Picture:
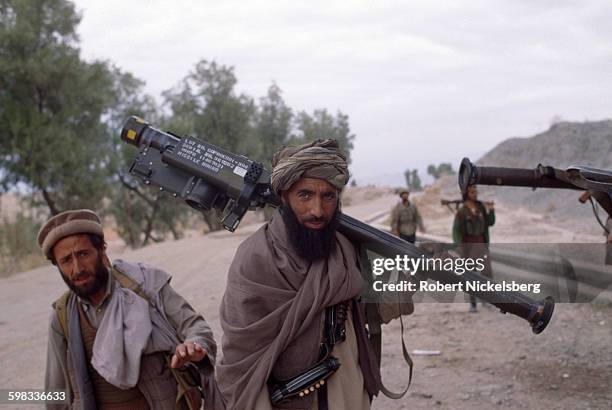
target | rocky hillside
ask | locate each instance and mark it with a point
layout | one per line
(564, 144)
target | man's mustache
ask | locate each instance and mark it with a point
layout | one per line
(82, 275)
(315, 219)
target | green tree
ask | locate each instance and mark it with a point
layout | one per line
(413, 181)
(444, 168)
(205, 104)
(416, 180)
(60, 117)
(53, 139)
(273, 124)
(142, 215)
(322, 125)
(272, 129)
(433, 171)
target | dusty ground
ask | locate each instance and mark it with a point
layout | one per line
(487, 360)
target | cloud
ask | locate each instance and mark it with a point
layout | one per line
(422, 81)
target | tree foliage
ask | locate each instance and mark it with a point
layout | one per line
(142, 215)
(206, 105)
(444, 168)
(322, 125)
(52, 104)
(413, 181)
(60, 117)
(273, 124)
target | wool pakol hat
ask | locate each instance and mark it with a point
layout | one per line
(78, 221)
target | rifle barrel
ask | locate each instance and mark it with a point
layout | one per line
(540, 177)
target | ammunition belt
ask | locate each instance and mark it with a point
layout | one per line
(315, 378)
(305, 383)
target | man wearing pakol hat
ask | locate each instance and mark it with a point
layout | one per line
(289, 313)
(405, 218)
(121, 337)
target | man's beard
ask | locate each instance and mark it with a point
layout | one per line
(100, 280)
(310, 244)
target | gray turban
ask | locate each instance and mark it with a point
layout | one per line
(320, 159)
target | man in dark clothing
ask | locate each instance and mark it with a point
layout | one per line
(471, 231)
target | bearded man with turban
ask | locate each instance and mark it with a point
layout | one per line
(282, 282)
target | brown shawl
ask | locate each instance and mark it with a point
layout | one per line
(271, 313)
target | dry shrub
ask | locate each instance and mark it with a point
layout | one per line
(18, 248)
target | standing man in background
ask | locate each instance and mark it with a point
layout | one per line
(405, 218)
(471, 231)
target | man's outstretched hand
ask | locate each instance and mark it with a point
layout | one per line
(187, 352)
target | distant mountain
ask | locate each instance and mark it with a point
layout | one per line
(564, 144)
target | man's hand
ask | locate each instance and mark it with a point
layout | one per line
(489, 205)
(187, 352)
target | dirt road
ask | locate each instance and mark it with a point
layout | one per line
(488, 360)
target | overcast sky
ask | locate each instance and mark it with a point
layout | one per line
(422, 81)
